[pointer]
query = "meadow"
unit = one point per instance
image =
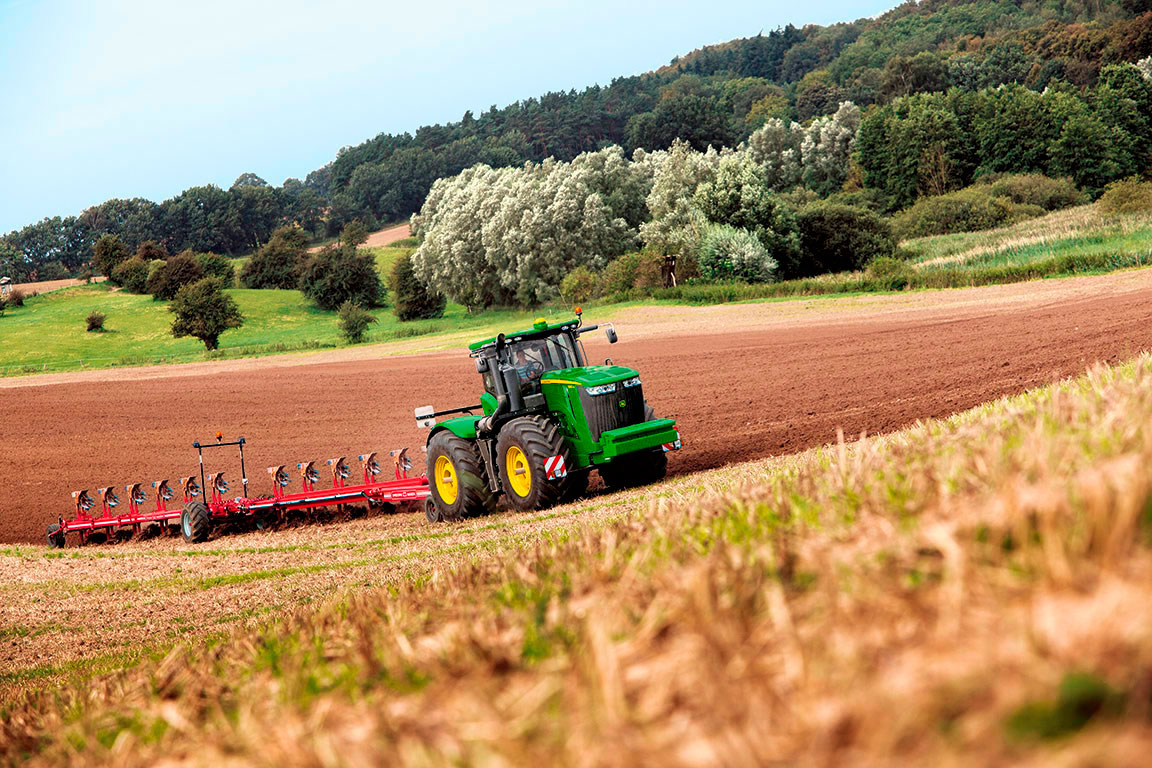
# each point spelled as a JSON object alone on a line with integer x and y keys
{"x": 967, "y": 590}
{"x": 48, "y": 333}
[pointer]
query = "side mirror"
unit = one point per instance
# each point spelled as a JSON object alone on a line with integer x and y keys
{"x": 611, "y": 334}
{"x": 424, "y": 417}
{"x": 481, "y": 365}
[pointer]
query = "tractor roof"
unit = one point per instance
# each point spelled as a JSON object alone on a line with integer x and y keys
{"x": 539, "y": 329}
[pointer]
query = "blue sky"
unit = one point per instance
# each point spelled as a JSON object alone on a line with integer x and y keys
{"x": 144, "y": 99}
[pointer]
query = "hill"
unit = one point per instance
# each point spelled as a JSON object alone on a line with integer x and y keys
{"x": 716, "y": 95}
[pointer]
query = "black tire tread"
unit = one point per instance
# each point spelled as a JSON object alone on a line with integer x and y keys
{"x": 476, "y": 498}
{"x": 198, "y": 517}
{"x": 541, "y": 438}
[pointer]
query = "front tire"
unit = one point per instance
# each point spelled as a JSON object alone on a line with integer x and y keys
{"x": 524, "y": 446}
{"x": 456, "y": 478}
{"x": 194, "y": 525}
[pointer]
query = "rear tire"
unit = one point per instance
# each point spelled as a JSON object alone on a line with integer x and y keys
{"x": 55, "y": 536}
{"x": 524, "y": 445}
{"x": 194, "y": 525}
{"x": 456, "y": 478}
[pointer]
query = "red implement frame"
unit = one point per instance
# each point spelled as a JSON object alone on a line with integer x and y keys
{"x": 211, "y": 489}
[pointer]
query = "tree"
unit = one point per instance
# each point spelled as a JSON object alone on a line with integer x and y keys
{"x": 180, "y": 270}
{"x": 355, "y": 234}
{"x": 1086, "y": 150}
{"x": 108, "y": 252}
{"x": 413, "y": 299}
{"x": 215, "y": 265}
{"x": 279, "y": 262}
{"x": 150, "y": 250}
{"x": 729, "y": 253}
{"x": 337, "y": 274}
{"x": 354, "y": 321}
{"x": 132, "y": 275}
{"x": 204, "y": 311}
{"x": 836, "y": 238}
{"x": 739, "y": 197}
{"x": 827, "y": 149}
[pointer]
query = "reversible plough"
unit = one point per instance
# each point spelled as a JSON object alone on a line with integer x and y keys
{"x": 203, "y": 503}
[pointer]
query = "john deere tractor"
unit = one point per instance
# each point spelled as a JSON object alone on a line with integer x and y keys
{"x": 545, "y": 421}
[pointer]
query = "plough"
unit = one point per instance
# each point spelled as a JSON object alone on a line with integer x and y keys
{"x": 203, "y": 502}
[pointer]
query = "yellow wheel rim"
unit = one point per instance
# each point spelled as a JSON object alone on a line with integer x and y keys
{"x": 446, "y": 484}
{"x": 519, "y": 472}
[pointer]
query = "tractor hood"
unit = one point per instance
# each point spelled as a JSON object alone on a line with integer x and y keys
{"x": 589, "y": 375}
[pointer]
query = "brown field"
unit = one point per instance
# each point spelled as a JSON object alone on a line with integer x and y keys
{"x": 52, "y": 285}
{"x": 382, "y": 237}
{"x": 744, "y": 381}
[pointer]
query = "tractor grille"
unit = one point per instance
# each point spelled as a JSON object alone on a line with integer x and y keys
{"x": 613, "y": 410}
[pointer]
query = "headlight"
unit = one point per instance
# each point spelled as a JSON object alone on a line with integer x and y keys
{"x": 604, "y": 389}
{"x": 633, "y": 382}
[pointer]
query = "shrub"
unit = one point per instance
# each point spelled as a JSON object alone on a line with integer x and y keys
{"x": 414, "y": 299}
{"x": 215, "y": 265}
{"x": 888, "y": 272}
{"x": 727, "y": 253}
{"x": 180, "y": 270}
{"x": 633, "y": 273}
{"x": 1129, "y": 195}
{"x": 354, "y": 321}
{"x": 15, "y": 298}
{"x": 1037, "y": 189}
{"x": 838, "y": 238}
{"x": 407, "y": 242}
{"x": 204, "y": 311}
{"x": 354, "y": 234}
{"x": 966, "y": 210}
{"x": 132, "y": 275}
{"x": 96, "y": 320}
{"x": 337, "y": 274}
{"x": 279, "y": 262}
{"x": 580, "y": 285}
{"x": 109, "y": 251}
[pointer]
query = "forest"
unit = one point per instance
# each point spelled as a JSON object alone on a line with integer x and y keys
{"x": 947, "y": 90}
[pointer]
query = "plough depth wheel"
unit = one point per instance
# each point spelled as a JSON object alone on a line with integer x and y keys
{"x": 194, "y": 524}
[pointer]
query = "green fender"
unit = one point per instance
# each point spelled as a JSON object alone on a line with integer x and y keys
{"x": 461, "y": 426}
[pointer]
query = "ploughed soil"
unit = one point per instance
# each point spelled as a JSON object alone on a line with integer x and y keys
{"x": 744, "y": 382}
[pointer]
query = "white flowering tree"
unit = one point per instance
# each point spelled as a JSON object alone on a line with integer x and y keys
{"x": 676, "y": 224}
{"x": 511, "y": 236}
{"x": 776, "y": 146}
{"x": 827, "y": 149}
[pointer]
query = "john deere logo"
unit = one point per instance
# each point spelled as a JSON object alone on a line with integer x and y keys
{"x": 621, "y": 403}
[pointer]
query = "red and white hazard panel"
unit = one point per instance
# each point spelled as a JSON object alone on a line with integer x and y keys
{"x": 674, "y": 445}
{"x": 554, "y": 468}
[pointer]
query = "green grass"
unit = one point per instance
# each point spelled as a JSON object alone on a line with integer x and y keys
{"x": 48, "y": 332}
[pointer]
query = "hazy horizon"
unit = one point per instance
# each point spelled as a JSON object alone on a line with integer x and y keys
{"x": 132, "y": 99}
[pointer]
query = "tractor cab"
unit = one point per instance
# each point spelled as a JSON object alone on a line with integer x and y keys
{"x": 513, "y": 366}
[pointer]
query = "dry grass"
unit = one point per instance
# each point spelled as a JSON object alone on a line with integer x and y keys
{"x": 1058, "y": 232}
{"x": 974, "y": 590}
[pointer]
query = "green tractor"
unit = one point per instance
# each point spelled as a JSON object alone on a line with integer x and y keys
{"x": 548, "y": 420}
